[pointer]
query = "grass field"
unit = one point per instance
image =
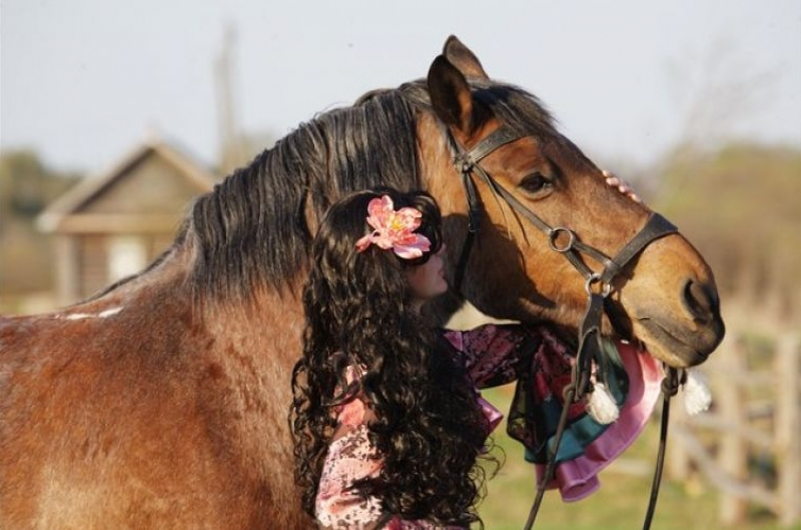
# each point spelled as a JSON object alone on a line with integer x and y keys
{"x": 621, "y": 501}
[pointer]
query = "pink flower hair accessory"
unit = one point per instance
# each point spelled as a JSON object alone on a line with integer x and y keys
{"x": 394, "y": 229}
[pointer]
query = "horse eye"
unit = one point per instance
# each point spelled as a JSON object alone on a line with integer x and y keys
{"x": 534, "y": 183}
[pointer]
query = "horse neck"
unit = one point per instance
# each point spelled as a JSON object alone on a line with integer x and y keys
{"x": 264, "y": 329}
{"x": 268, "y": 326}
{"x": 164, "y": 279}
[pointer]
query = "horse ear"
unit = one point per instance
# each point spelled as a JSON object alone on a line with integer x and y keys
{"x": 450, "y": 95}
{"x": 462, "y": 58}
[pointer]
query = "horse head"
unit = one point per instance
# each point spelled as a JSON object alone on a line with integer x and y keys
{"x": 665, "y": 296}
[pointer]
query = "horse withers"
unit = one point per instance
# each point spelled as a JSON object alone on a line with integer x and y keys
{"x": 162, "y": 401}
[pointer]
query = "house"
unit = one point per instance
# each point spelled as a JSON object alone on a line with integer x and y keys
{"x": 114, "y": 224}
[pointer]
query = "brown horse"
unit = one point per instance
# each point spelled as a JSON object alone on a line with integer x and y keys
{"x": 162, "y": 402}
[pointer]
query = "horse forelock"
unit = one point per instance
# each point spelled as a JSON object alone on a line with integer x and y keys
{"x": 253, "y": 229}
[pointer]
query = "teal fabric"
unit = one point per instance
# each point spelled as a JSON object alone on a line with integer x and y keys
{"x": 582, "y": 429}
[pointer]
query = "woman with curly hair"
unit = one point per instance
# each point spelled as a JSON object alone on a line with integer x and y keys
{"x": 387, "y": 425}
{"x": 387, "y": 421}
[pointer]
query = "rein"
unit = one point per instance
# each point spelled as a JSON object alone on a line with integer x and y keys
{"x": 598, "y": 286}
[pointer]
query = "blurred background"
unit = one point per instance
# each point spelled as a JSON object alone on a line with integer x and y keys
{"x": 114, "y": 115}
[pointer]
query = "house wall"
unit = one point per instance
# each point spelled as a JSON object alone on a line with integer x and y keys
{"x": 90, "y": 263}
{"x": 92, "y": 267}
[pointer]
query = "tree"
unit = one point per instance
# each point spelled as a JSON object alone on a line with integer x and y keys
{"x": 27, "y": 185}
{"x": 741, "y": 205}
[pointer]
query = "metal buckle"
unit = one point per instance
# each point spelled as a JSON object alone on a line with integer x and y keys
{"x": 554, "y": 234}
{"x": 606, "y": 288}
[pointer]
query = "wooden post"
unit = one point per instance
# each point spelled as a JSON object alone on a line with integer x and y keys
{"x": 677, "y": 454}
{"x": 67, "y": 277}
{"x": 733, "y": 455}
{"x": 788, "y": 427}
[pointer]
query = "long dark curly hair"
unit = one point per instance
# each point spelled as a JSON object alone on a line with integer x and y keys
{"x": 429, "y": 429}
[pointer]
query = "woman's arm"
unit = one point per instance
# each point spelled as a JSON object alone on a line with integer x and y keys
{"x": 351, "y": 457}
{"x": 496, "y": 354}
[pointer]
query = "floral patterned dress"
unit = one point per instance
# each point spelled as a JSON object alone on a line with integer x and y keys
{"x": 493, "y": 355}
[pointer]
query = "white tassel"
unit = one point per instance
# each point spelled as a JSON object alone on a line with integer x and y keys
{"x": 601, "y": 405}
{"x": 697, "y": 396}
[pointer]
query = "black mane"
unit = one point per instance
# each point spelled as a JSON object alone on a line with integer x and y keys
{"x": 252, "y": 229}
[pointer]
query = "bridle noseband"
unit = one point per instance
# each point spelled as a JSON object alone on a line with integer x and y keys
{"x": 598, "y": 286}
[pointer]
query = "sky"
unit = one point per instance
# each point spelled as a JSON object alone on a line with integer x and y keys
{"x": 84, "y": 81}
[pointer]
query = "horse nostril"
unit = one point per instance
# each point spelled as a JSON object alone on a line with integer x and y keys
{"x": 699, "y": 300}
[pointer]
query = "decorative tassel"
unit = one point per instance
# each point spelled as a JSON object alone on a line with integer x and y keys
{"x": 697, "y": 396}
{"x": 601, "y": 405}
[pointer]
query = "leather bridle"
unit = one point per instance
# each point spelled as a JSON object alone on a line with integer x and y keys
{"x": 598, "y": 286}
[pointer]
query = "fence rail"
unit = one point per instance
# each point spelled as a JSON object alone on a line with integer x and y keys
{"x": 755, "y": 413}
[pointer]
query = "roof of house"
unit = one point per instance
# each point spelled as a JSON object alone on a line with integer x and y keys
{"x": 89, "y": 190}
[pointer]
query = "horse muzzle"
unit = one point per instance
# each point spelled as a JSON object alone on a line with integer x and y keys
{"x": 685, "y": 334}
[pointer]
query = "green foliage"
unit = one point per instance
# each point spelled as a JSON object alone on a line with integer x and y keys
{"x": 741, "y": 184}
{"x": 26, "y": 187}
{"x": 741, "y": 206}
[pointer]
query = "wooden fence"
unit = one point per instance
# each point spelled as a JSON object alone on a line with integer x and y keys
{"x": 748, "y": 445}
